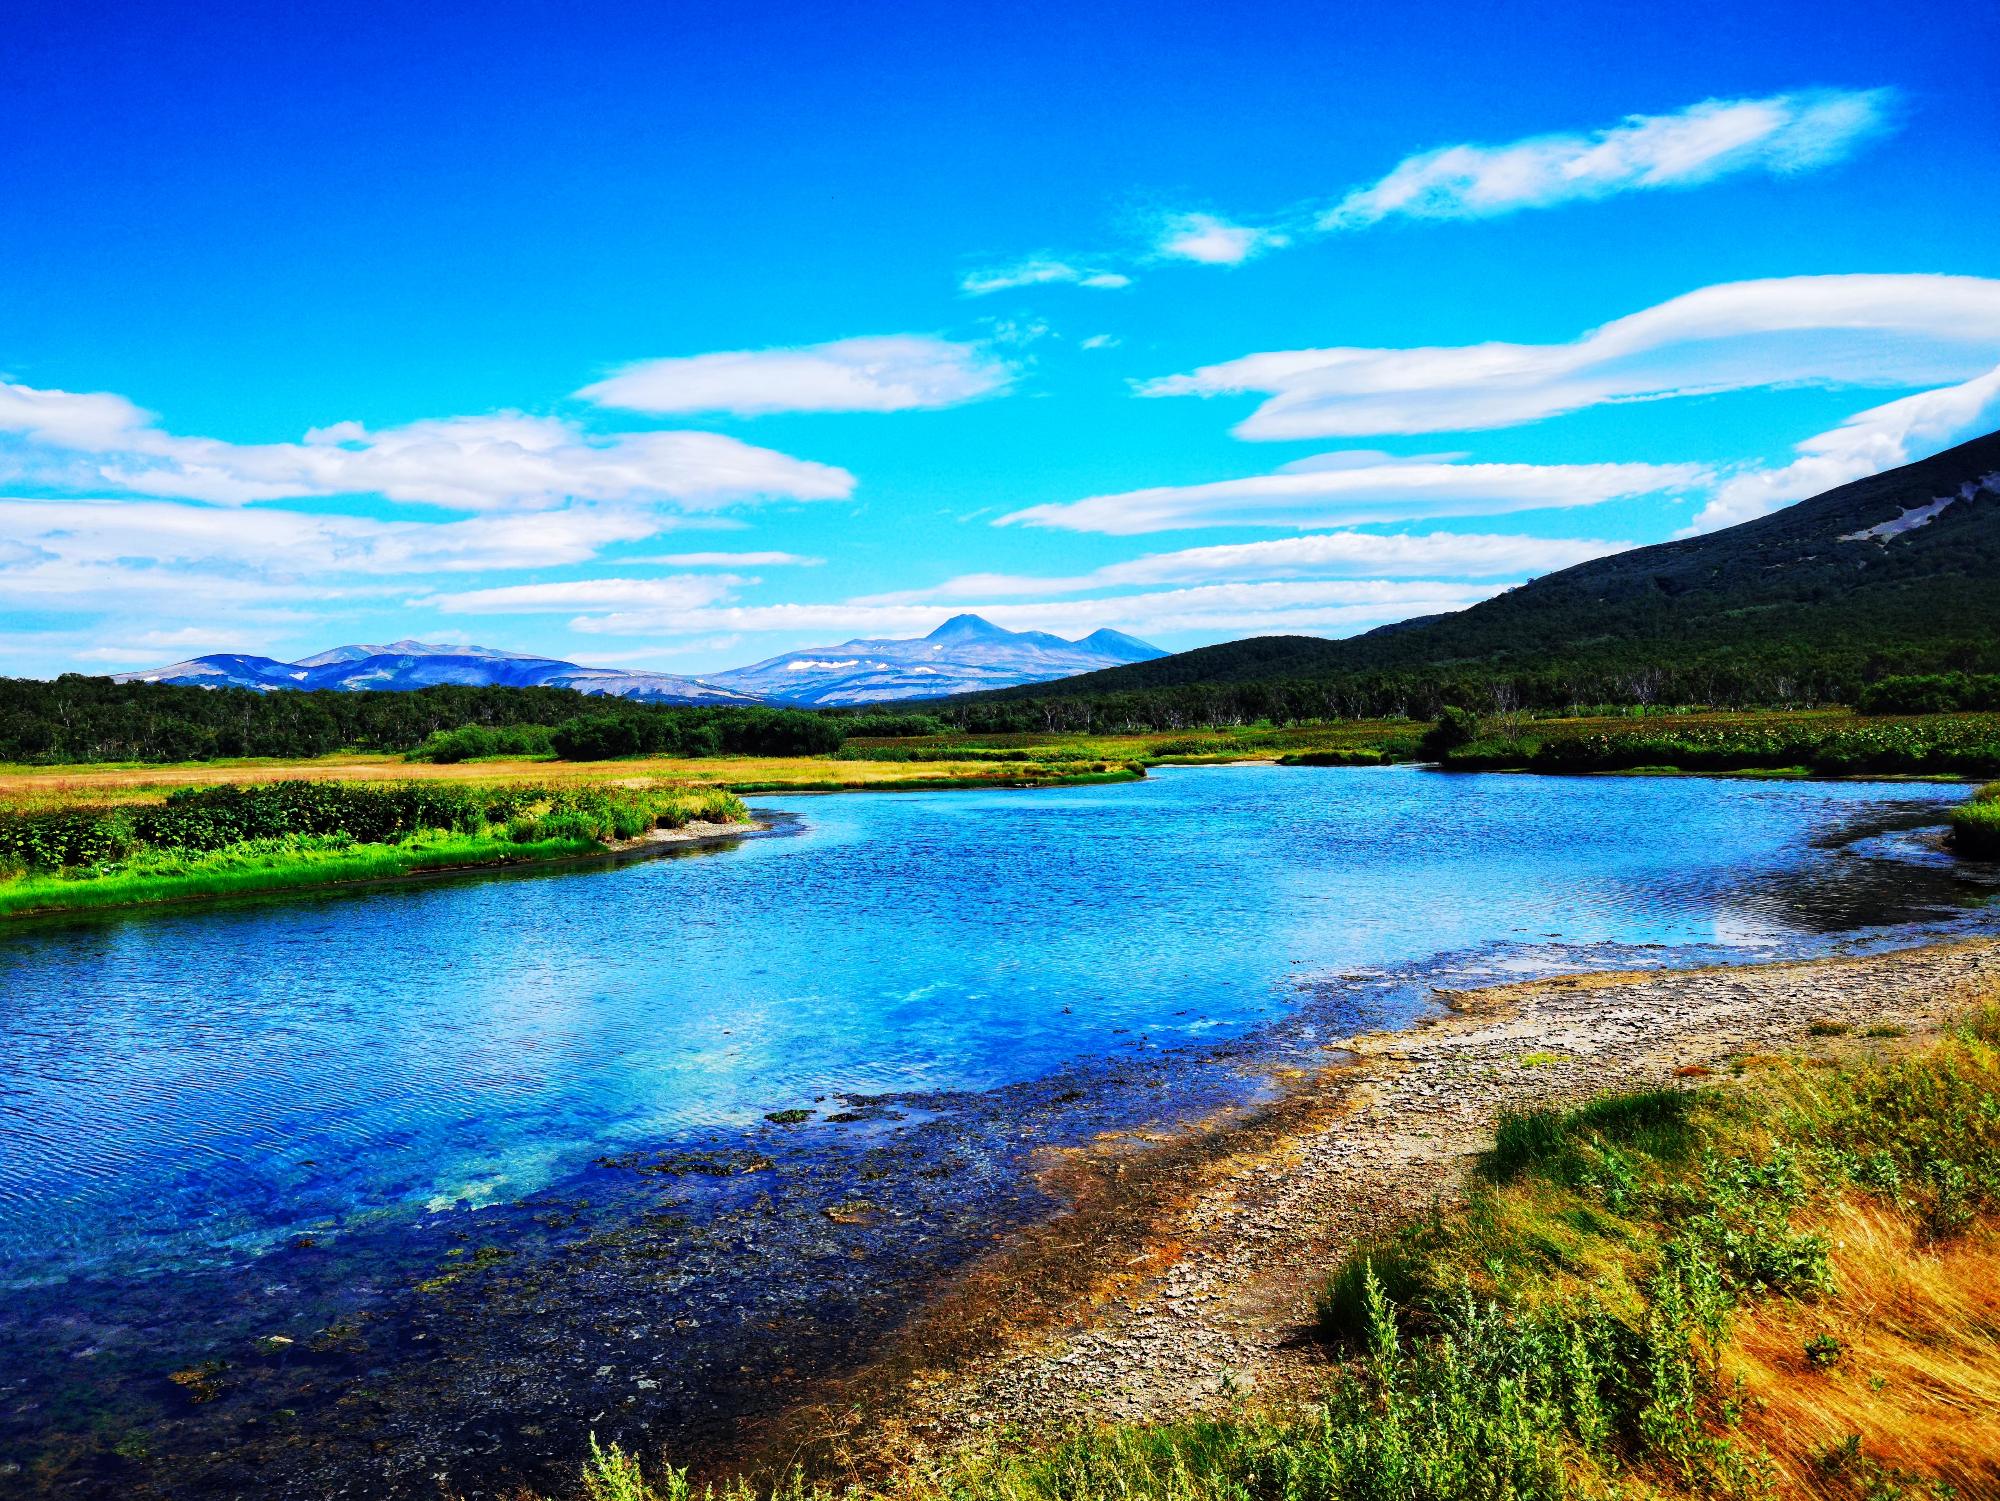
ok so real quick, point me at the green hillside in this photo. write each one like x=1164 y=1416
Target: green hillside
x=1808 y=604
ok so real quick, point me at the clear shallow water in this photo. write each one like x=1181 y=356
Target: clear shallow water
x=184 y=1086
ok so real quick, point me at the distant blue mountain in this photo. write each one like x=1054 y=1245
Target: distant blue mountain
x=404 y=665
x=963 y=655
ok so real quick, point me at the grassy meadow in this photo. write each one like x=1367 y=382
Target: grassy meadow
x=1783 y=1284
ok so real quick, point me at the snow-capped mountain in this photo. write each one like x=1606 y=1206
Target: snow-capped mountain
x=963 y=655
x=403 y=665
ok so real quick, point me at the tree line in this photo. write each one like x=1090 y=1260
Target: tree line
x=75 y=718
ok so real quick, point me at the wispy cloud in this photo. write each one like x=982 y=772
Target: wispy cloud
x=1038 y=271
x=1831 y=330
x=1781 y=134
x=1777 y=135
x=729 y=560
x=102 y=442
x=1325 y=492
x=1345 y=554
x=1869 y=442
x=887 y=373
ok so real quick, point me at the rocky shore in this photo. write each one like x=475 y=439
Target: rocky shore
x=1158 y=1303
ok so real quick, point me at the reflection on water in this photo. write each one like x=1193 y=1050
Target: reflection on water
x=179 y=1082
x=283 y=1116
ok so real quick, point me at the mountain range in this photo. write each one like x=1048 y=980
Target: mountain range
x=964 y=654
x=1897 y=572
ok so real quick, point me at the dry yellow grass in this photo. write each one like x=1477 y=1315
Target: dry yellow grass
x=1917 y=1379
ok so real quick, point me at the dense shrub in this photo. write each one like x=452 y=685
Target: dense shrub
x=1455 y=727
x=470 y=741
x=605 y=735
x=1931 y=693
x=892 y=724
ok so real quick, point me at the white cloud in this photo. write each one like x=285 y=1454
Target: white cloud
x=1311 y=494
x=1782 y=134
x=1101 y=341
x=889 y=373
x=1322 y=555
x=93 y=420
x=507 y=461
x=1213 y=241
x=1884 y=330
x=1040 y=271
x=1884 y=437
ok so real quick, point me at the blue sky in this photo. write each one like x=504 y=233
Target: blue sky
x=678 y=336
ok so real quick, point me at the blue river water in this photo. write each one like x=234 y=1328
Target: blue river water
x=193 y=1084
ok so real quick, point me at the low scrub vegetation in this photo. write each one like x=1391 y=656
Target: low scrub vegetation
x=223 y=839
x=1827 y=745
x=1782 y=1288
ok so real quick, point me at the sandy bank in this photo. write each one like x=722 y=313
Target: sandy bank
x=1185 y=1272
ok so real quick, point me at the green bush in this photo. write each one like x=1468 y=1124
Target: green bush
x=470 y=741
x=1455 y=727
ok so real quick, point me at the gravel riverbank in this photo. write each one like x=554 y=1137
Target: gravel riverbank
x=1165 y=1301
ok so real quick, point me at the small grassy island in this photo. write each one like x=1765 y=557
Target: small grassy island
x=232 y=839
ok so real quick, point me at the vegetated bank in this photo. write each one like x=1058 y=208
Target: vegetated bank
x=1964 y=745
x=1975 y=826
x=1777 y=1277
x=277 y=836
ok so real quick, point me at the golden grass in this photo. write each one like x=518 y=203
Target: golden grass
x=32 y=787
x=1918 y=1375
